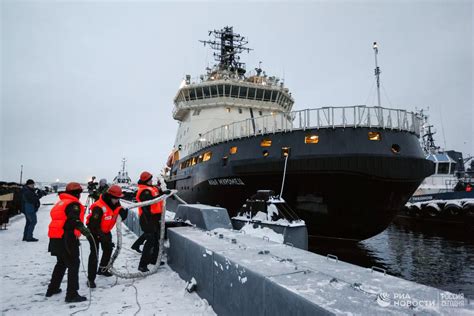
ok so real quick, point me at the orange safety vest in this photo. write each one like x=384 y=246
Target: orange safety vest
x=155 y=208
x=109 y=216
x=59 y=217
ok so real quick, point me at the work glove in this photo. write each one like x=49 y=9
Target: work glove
x=123 y=213
x=166 y=192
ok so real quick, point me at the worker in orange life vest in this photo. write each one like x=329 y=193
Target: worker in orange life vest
x=101 y=220
x=66 y=226
x=140 y=240
x=149 y=220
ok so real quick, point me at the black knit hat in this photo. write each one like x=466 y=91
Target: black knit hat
x=29 y=181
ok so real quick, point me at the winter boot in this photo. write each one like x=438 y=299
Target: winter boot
x=76 y=298
x=143 y=269
x=136 y=248
x=103 y=271
x=91 y=284
x=51 y=292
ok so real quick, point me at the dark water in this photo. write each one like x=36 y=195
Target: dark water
x=440 y=256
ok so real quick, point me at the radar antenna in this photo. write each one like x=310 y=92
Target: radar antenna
x=228 y=46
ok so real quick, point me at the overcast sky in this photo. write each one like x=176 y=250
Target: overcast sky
x=85 y=84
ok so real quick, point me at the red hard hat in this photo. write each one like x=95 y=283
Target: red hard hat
x=115 y=191
x=73 y=186
x=145 y=176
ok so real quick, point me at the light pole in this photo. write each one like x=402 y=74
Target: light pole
x=21 y=174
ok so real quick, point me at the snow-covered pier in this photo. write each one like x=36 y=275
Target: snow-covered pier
x=26 y=270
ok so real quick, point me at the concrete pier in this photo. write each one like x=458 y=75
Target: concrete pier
x=243 y=275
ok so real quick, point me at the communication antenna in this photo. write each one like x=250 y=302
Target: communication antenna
x=228 y=45
x=377 y=71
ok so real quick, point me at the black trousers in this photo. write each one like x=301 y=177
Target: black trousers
x=150 y=250
x=71 y=262
x=105 y=242
x=140 y=240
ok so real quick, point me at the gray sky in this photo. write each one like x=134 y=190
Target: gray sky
x=85 y=84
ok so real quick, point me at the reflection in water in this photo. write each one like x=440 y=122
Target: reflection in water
x=438 y=257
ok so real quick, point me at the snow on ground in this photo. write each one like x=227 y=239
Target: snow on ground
x=26 y=269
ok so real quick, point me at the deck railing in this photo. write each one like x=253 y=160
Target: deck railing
x=326 y=117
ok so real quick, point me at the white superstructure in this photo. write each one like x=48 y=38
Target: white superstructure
x=225 y=94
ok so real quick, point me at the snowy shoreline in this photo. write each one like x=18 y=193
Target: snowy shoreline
x=26 y=270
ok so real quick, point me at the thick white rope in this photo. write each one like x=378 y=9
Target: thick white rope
x=126 y=275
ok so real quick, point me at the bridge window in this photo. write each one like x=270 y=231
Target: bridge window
x=214 y=92
x=311 y=139
x=274 y=96
x=192 y=94
x=186 y=94
x=220 y=89
x=227 y=90
x=443 y=168
x=267 y=95
x=375 y=136
x=252 y=93
x=235 y=91
x=259 y=95
x=199 y=93
x=207 y=92
x=243 y=92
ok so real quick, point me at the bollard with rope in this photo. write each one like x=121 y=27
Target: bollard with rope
x=127 y=275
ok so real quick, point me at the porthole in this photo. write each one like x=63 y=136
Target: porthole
x=396 y=149
x=265 y=153
x=285 y=151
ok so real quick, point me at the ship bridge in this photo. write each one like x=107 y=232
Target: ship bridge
x=256 y=92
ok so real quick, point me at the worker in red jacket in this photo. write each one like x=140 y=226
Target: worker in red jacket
x=100 y=221
x=149 y=220
x=66 y=226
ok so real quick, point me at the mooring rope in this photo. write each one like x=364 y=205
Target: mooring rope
x=127 y=275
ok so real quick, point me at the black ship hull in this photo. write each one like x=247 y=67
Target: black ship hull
x=346 y=186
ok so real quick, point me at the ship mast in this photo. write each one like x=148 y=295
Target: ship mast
x=123 y=165
x=228 y=45
x=377 y=71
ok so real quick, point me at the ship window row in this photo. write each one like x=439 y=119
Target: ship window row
x=196 y=159
x=234 y=91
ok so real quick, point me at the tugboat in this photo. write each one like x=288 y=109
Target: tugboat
x=123 y=180
x=346 y=170
x=447 y=196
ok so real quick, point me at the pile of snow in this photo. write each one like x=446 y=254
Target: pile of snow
x=266 y=218
x=26 y=269
x=261 y=232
